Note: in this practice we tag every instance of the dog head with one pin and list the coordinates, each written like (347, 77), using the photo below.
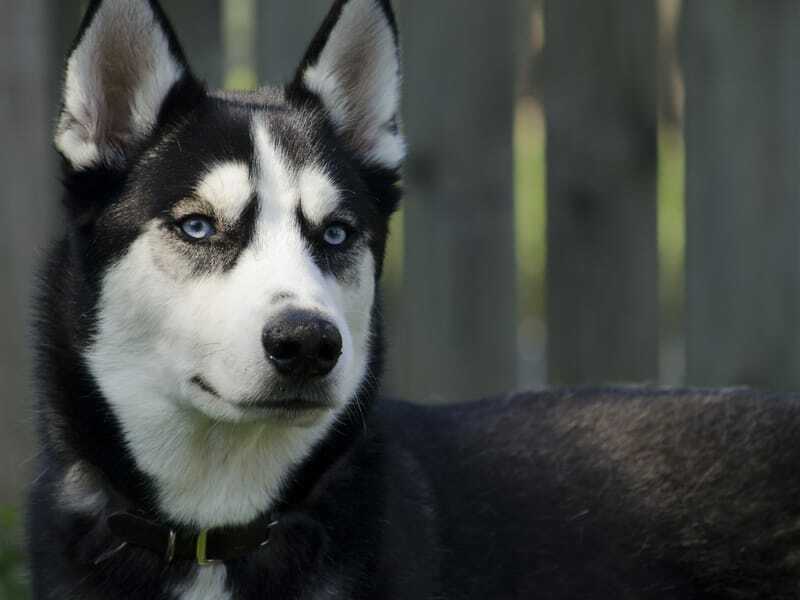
(238, 237)
(228, 244)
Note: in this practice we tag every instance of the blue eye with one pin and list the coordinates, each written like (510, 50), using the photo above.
(335, 235)
(197, 228)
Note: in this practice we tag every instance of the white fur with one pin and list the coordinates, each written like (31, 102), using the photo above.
(81, 491)
(228, 188)
(214, 462)
(122, 69)
(207, 583)
(362, 101)
(276, 180)
(318, 194)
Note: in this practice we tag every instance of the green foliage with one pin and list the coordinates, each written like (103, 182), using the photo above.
(13, 577)
(530, 207)
(671, 226)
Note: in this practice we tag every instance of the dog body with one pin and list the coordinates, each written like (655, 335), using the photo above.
(618, 493)
(210, 350)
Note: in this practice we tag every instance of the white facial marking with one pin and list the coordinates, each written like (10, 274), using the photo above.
(215, 462)
(207, 583)
(318, 195)
(276, 182)
(228, 188)
(117, 79)
(362, 100)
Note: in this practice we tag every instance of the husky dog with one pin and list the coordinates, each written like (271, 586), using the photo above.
(210, 350)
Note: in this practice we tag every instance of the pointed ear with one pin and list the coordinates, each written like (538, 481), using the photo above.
(120, 72)
(353, 67)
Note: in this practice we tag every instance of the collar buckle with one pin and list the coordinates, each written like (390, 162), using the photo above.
(169, 555)
(201, 549)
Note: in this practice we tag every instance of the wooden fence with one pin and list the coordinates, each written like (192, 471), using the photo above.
(453, 321)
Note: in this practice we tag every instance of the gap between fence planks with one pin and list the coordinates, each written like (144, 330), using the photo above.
(199, 27)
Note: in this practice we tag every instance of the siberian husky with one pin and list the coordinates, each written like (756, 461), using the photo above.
(210, 352)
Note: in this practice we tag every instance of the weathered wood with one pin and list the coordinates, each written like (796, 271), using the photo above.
(602, 266)
(285, 30)
(198, 24)
(33, 38)
(740, 60)
(457, 333)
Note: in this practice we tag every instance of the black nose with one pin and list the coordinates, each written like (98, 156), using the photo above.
(302, 344)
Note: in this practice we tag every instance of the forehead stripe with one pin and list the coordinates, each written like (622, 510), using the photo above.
(276, 185)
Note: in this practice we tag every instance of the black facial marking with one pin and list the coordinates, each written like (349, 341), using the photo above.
(341, 260)
(192, 140)
(371, 193)
(247, 222)
(219, 252)
(168, 172)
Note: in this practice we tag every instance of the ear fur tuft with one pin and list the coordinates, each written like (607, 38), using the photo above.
(124, 64)
(353, 67)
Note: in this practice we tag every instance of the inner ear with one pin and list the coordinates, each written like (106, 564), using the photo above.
(119, 75)
(353, 67)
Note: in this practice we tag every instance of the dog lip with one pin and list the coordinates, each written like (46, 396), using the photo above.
(205, 386)
(290, 404)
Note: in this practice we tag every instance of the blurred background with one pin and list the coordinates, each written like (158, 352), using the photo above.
(596, 192)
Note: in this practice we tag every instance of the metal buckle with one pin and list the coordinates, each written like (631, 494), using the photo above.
(202, 543)
(170, 554)
(109, 553)
(269, 528)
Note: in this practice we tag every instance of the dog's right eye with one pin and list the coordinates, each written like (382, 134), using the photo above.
(197, 227)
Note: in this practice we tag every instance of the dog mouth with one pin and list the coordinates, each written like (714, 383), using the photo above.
(280, 400)
(205, 386)
(289, 405)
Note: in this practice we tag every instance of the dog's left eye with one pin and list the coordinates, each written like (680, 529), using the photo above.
(335, 235)
(197, 227)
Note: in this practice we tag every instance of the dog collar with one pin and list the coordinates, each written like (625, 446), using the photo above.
(207, 547)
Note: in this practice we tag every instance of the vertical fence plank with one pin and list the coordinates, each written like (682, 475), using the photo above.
(33, 38)
(742, 185)
(458, 322)
(199, 27)
(284, 31)
(602, 267)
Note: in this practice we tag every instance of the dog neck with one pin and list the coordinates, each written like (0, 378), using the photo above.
(209, 474)
(188, 471)
(231, 472)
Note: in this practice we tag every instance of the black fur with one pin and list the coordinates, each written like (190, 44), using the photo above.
(617, 493)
